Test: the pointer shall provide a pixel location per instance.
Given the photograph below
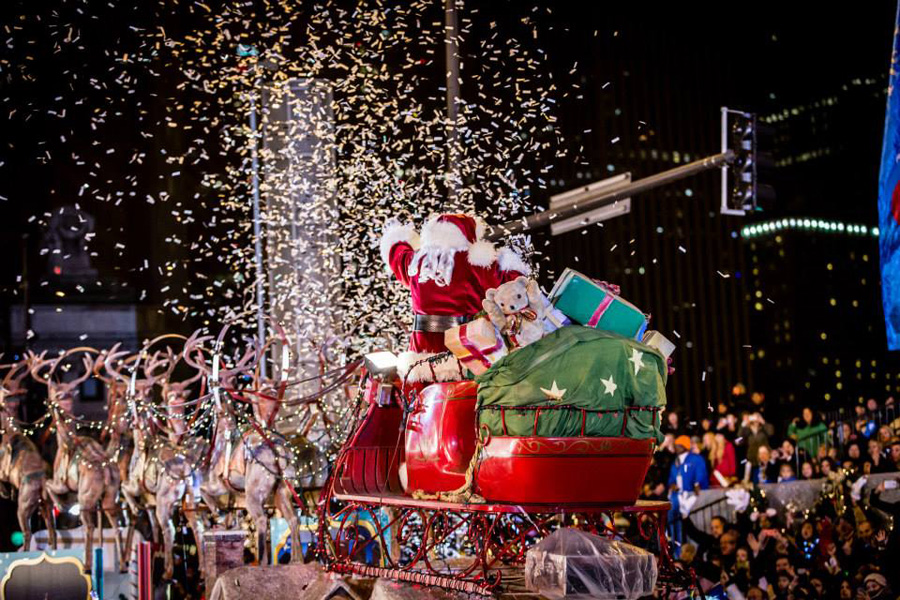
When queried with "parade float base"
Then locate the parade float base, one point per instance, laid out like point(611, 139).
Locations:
point(400, 500)
point(310, 582)
point(492, 539)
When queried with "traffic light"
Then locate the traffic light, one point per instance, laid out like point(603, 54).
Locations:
point(742, 190)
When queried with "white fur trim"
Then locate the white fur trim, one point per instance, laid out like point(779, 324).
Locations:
point(510, 261)
point(440, 234)
point(396, 233)
point(444, 370)
point(480, 228)
point(482, 254)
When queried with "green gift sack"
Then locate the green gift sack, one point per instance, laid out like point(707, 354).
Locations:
point(575, 381)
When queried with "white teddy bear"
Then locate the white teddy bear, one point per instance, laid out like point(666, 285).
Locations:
point(517, 309)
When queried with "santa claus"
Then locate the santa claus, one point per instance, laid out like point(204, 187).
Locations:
point(448, 269)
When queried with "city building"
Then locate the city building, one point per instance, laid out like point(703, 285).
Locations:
point(817, 326)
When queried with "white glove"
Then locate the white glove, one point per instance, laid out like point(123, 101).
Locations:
point(738, 498)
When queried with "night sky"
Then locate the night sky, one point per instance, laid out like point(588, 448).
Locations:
point(83, 115)
point(772, 53)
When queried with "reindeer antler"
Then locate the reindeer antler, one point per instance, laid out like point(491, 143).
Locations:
point(192, 354)
point(167, 362)
point(59, 389)
point(12, 383)
point(108, 361)
point(66, 387)
point(242, 365)
point(38, 362)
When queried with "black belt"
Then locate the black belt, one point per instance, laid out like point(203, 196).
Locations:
point(438, 323)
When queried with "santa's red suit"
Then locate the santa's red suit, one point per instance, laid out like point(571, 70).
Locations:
point(447, 269)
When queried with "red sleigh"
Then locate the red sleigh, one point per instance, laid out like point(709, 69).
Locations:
point(518, 489)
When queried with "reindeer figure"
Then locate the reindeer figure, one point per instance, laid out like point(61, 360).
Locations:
point(256, 464)
point(132, 421)
point(175, 393)
point(21, 464)
point(169, 465)
point(118, 423)
point(81, 466)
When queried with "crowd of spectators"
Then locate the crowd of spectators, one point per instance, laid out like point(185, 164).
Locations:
point(841, 547)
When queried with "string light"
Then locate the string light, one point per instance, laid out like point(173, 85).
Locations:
point(148, 417)
point(807, 224)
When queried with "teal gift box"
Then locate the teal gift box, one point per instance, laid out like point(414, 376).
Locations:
point(594, 304)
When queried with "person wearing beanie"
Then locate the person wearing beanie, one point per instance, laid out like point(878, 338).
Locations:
point(688, 472)
point(448, 269)
point(687, 475)
point(877, 587)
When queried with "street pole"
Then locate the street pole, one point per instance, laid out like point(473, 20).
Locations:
point(26, 292)
point(257, 226)
point(451, 50)
point(544, 218)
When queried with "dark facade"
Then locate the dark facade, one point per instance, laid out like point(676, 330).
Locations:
point(650, 101)
point(814, 295)
point(818, 333)
point(649, 106)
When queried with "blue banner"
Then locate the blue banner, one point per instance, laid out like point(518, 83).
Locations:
point(889, 202)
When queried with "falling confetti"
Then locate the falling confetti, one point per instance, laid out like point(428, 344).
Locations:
point(368, 140)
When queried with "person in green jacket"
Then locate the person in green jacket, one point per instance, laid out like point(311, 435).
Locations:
point(809, 432)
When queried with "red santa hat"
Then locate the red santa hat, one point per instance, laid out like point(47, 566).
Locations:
point(459, 232)
point(472, 228)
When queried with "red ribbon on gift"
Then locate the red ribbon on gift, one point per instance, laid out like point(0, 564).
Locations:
point(475, 352)
point(601, 308)
point(609, 286)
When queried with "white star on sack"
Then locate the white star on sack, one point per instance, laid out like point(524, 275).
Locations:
point(610, 386)
point(636, 356)
point(554, 393)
